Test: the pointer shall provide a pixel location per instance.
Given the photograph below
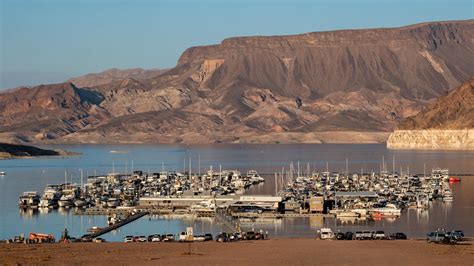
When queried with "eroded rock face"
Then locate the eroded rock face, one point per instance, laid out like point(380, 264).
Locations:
point(433, 139)
point(446, 124)
point(255, 88)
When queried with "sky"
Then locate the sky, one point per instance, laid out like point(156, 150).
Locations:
point(49, 41)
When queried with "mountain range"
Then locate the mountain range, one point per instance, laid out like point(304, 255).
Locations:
point(335, 86)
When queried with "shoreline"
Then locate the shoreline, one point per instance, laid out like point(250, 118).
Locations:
point(304, 251)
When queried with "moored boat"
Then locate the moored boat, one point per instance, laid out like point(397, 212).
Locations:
point(29, 199)
point(454, 179)
point(80, 202)
point(389, 209)
point(113, 202)
point(65, 201)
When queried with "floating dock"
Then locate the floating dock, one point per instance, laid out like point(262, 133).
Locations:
point(104, 211)
point(278, 215)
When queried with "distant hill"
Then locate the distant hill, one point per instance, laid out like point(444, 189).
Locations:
point(295, 88)
point(13, 150)
point(114, 74)
point(455, 110)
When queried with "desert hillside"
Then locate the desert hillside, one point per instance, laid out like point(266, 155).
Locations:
point(448, 123)
point(294, 88)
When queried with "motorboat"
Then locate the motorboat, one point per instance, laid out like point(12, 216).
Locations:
point(113, 202)
point(45, 202)
point(454, 179)
point(440, 174)
point(65, 201)
point(254, 177)
point(389, 209)
point(204, 206)
point(80, 202)
point(29, 199)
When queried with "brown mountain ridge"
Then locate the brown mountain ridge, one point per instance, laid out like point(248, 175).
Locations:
point(294, 88)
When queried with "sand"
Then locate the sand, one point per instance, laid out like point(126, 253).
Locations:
point(263, 252)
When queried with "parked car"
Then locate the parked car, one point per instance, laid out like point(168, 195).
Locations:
point(398, 235)
point(326, 233)
point(366, 235)
point(142, 239)
point(457, 234)
point(199, 238)
point(249, 235)
point(222, 237)
point(358, 235)
point(128, 239)
point(439, 237)
point(340, 236)
point(208, 237)
point(349, 235)
point(379, 235)
point(154, 238)
point(238, 236)
point(183, 236)
point(168, 238)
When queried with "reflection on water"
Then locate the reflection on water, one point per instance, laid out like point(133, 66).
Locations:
point(34, 174)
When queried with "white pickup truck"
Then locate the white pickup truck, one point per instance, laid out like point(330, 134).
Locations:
point(326, 233)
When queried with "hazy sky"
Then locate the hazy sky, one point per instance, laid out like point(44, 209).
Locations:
point(46, 41)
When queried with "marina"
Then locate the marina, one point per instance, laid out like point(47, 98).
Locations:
point(285, 198)
point(340, 195)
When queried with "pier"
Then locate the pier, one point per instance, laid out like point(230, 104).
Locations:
point(117, 225)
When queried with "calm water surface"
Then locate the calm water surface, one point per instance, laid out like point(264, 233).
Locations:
point(34, 174)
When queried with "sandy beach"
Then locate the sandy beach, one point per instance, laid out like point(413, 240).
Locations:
point(268, 252)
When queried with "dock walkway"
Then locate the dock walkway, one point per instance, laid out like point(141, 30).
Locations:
point(278, 215)
point(117, 225)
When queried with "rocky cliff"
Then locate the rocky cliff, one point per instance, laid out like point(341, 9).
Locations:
point(263, 89)
point(448, 123)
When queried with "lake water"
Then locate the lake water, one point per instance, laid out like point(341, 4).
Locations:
point(34, 174)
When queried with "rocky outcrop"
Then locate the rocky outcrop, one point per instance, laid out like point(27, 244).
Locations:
point(447, 124)
point(255, 88)
point(8, 151)
point(432, 139)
